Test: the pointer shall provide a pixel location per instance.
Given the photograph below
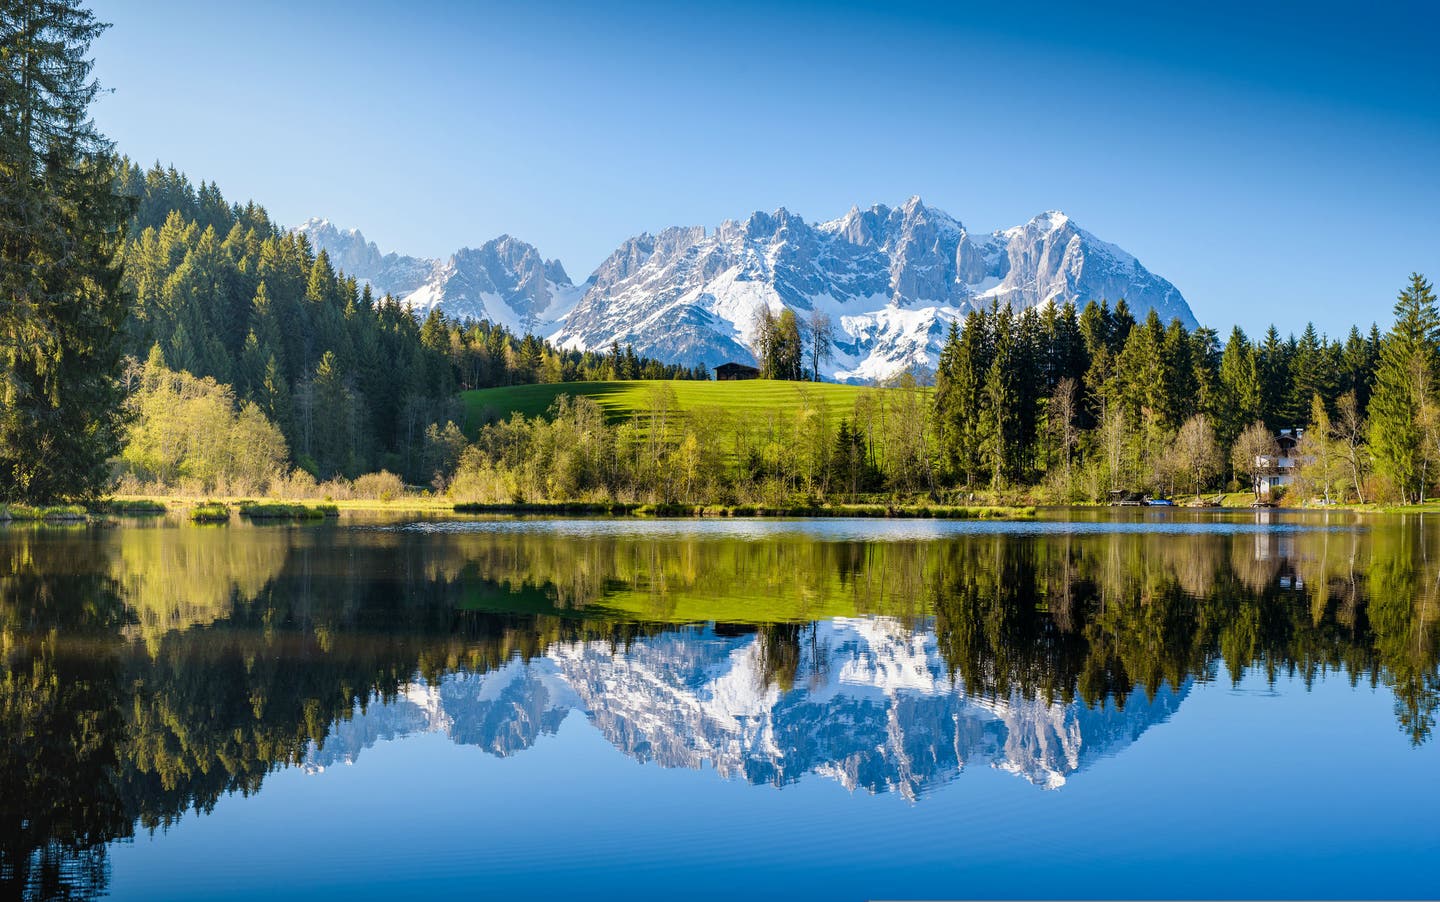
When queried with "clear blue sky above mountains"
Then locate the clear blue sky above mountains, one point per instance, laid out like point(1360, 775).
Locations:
point(1275, 161)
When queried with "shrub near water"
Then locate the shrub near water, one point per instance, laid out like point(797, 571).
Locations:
point(210, 512)
point(28, 513)
point(381, 486)
point(131, 507)
point(279, 511)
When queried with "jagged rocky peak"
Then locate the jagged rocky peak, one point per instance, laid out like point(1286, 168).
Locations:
point(891, 278)
point(884, 227)
point(347, 248)
point(504, 280)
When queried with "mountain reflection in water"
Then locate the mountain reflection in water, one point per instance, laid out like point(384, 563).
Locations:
point(870, 705)
point(150, 670)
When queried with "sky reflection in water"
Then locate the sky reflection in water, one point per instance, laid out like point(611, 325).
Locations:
point(843, 709)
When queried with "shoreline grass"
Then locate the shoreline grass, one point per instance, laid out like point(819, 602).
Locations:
point(133, 507)
point(24, 513)
point(280, 510)
point(210, 512)
point(219, 510)
point(403, 504)
point(619, 509)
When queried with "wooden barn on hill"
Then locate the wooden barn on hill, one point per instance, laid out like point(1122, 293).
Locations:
point(729, 372)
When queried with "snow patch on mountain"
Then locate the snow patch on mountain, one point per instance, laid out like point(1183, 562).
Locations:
point(891, 279)
point(504, 280)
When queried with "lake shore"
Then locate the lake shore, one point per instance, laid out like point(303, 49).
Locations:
point(249, 507)
point(429, 505)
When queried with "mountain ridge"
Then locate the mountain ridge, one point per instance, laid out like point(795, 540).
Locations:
point(504, 280)
point(891, 279)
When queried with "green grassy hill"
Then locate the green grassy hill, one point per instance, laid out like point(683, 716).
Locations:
point(620, 400)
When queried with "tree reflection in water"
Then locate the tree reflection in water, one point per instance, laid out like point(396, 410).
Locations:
point(149, 671)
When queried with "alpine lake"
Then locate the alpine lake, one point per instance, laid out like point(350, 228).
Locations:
point(1132, 703)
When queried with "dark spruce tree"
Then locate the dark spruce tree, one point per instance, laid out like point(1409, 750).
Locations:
point(61, 223)
point(1404, 387)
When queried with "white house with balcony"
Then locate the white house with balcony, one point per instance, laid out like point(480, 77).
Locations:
point(1278, 471)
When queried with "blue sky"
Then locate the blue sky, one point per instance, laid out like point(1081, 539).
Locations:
point(1276, 163)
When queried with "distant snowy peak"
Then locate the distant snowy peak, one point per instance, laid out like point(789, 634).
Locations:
point(891, 279)
point(504, 280)
point(349, 251)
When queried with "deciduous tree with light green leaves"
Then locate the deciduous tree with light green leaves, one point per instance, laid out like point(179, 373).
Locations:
point(184, 428)
point(1322, 464)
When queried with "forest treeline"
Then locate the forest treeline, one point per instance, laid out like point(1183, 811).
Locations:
point(352, 380)
point(101, 261)
point(1094, 402)
point(1054, 405)
point(141, 311)
point(1050, 404)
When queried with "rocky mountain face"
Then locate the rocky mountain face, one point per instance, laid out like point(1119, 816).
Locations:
point(869, 703)
point(504, 280)
point(891, 279)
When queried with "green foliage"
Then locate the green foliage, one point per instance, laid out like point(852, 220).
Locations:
point(278, 511)
point(961, 400)
point(185, 428)
point(352, 381)
point(1405, 384)
point(1095, 402)
point(54, 512)
point(210, 512)
point(779, 347)
point(130, 507)
point(762, 442)
point(61, 299)
point(620, 401)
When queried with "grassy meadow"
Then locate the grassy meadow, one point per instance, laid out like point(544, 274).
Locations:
point(622, 400)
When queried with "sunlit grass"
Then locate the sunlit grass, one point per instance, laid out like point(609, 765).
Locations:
point(27, 512)
point(210, 512)
point(271, 510)
point(408, 503)
point(622, 400)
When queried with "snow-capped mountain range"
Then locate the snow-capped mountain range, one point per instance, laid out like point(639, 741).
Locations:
point(504, 280)
point(871, 705)
point(890, 279)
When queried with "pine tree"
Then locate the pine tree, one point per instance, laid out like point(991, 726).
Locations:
point(274, 393)
point(1205, 369)
point(1181, 399)
point(1002, 436)
point(333, 438)
point(944, 401)
point(1357, 368)
point(61, 300)
point(965, 421)
point(1121, 322)
point(1272, 364)
point(1404, 387)
point(1239, 388)
point(1311, 374)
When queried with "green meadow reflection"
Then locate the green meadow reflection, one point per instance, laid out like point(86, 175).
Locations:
point(149, 671)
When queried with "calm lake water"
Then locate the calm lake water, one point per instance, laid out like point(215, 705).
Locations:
point(1148, 704)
